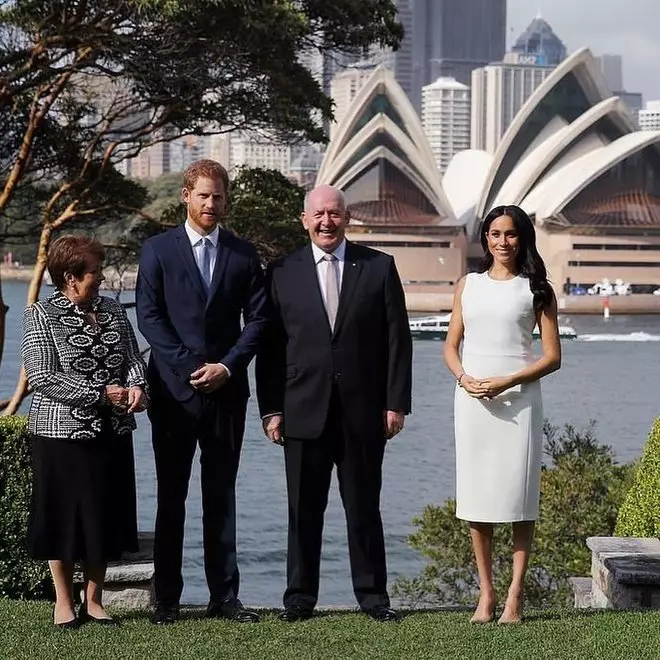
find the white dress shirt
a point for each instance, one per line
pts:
(322, 265)
(195, 239)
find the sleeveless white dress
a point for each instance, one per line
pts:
(499, 442)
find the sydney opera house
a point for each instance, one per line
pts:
(573, 158)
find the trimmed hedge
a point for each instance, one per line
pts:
(640, 512)
(20, 577)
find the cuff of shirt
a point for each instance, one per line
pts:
(269, 415)
(226, 368)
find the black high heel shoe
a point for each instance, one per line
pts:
(84, 617)
(66, 625)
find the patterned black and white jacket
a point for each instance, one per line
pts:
(68, 364)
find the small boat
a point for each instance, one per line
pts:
(435, 327)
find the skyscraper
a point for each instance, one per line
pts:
(446, 119)
(451, 38)
(612, 68)
(499, 91)
(539, 45)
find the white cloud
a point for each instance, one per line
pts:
(629, 29)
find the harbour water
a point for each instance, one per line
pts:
(610, 374)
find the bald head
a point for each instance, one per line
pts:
(325, 217)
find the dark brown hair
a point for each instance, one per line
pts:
(528, 260)
(209, 169)
(71, 254)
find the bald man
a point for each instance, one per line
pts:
(334, 385)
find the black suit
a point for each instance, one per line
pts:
(187, 326)
(333, 389)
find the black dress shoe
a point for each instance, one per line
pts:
(84, 617)
(165, 615)
(231, 609)
(382, 613)
(72, 624)
(293, 613)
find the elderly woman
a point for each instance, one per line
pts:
(83, 364)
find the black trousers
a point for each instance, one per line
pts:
(309, 464)
(175, 434)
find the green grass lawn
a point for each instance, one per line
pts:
(26, 631)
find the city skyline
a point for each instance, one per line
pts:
(628, 29)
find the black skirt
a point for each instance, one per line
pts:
(83, 499)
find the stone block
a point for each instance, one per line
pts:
(623, 545)
(581, 587)
(625, 572)
(128, 581)
(599, 600)
(129, 597)
(634, 569)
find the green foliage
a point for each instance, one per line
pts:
(640, 512)
(113, 77)
(20, 577)
(264, 208)
(581, 490)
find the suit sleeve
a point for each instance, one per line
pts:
(42, 366)
(154, 322)
(255, 320)
(270, 367)
(399, 359)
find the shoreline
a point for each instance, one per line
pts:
(417, 302)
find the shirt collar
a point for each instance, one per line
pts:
(339, 253)
(195, 237)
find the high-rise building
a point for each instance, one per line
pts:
(403, 58)
(539, 45)
(446, 119)
(400, 62)
(612, 68)
(633, 100)
(345, 86)
(451, 38)
(256, 150)
(187, 149)
(498, 92)
(649, 118)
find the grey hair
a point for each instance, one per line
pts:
(340, 195)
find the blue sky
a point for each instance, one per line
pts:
(630, 28)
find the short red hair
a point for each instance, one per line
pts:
(207, 168)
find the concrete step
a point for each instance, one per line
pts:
(128, 581)
(581, 587)
(625, 572)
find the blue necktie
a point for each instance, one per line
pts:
(205, 262)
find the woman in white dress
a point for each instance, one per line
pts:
(498, 410)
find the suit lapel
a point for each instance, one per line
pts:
(185, 252)
(223, 254)
(349, 281)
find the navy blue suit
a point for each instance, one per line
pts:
(186, 327)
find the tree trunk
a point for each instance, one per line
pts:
(21, 390)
